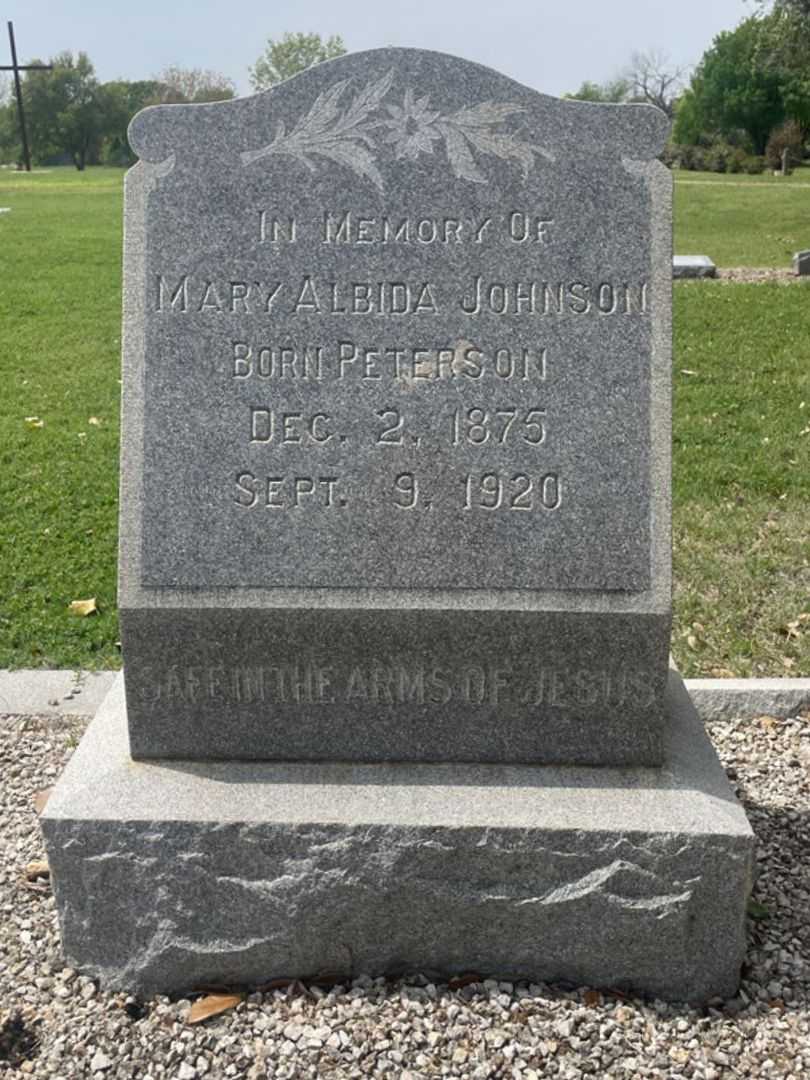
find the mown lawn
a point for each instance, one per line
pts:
(741, 479)
(741, 446)
(740, 220)
(60, 298)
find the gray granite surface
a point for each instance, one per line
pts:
(175, 875)
(396, 394)
(801, 263)
(401, 685)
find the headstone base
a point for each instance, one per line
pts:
(178, 875)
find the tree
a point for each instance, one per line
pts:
(293, 53)
(654, 80)
(650, 78)
(9, 129)
(785, 48)
(616, 90)
(121, 100)
(792, 7)
(65, 109)
(733, 91)
(177, 85)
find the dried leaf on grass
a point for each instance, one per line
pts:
(212, 1005)
(83, 607)
(41, 799)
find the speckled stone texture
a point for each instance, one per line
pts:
(396, 422)
(175, 875)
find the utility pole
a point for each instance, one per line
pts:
(15, 67)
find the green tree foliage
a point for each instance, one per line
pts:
(65, 109)
(293, 53)
(791, 7)
(785, 48)
(70, 114)
(733, 91)
(122, 100)
(9, 135)
(614, 91)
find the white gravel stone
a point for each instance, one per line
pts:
(100, 1062)
(55, 1024)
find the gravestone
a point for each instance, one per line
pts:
(395, 554)
(801, 263)
(396, 445)
(693, 266)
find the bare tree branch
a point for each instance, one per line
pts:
(656, 80)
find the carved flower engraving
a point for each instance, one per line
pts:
(353, 135)
(411, 127)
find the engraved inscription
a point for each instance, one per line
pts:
(358, 229)
(398, 390)
(479, 426)
(310, 295)
(346, 360)
(518, 491)
(275, 231)
(533, 297)
(399, 683)
(288, 492)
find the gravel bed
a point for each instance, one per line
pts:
(56, 1023)
(767, 274)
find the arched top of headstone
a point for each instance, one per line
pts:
(364, 112)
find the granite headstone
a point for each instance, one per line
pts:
(395, 495)
(397, 422)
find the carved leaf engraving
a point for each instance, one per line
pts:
(354, 136)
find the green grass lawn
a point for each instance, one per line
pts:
(741, 446)
(741, 479)
(60, 328)
(740, 220)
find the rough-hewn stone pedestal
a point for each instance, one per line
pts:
(173, 875)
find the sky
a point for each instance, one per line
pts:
(549, 45)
